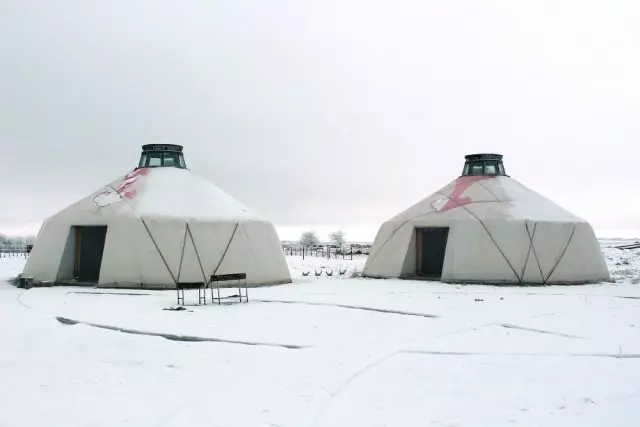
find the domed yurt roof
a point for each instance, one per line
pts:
(487, 227)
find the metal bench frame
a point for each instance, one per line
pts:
(222, 281)
(202, 291)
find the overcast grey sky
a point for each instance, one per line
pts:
(324, 114)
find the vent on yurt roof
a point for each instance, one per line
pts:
(162, 156)
(486, 164)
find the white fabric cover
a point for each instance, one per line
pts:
(499, 232)
(147, 243)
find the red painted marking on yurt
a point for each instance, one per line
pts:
(461, 185)
(124, 189)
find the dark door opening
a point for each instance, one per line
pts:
(88, 252)
(431, 245)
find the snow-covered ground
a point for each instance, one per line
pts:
(624, 265)
(326, 351)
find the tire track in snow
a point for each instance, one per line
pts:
(508, 326)
(19, 299)
(108, 293)
(174, 337)
(318, 419)
(471, 353)
(539, 331)
(354, 307)
(355, 375)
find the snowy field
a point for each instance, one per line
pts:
(326, 351)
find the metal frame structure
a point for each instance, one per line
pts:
(200, 286)
(221, 281)
(485, 161)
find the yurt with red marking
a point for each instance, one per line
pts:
(155, 227)
(486, 227)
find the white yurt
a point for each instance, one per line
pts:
(157, 226)
(486, 227)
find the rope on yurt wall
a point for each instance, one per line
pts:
(175, 282)
(197, 254)
(489, 234)
(224, 254)
(495, 243)
(489, 191)
(150, 236)
(573, 231)
(532, 248)
(373, 255)
(184, 244)
(526, 260)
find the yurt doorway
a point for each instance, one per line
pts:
(431, 245)
(89, 246)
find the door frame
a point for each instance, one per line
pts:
(419, 247)
(77, 255)
(77, 251)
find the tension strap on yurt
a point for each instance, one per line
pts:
(489, 234)
(573, 230)
(184, 244)
(175, 282)
(193, 242)
(224, 254)
(533, 248)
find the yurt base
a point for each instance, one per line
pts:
(143, 286)
(436, 279)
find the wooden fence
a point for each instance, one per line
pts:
(15, 251)
(326, 251)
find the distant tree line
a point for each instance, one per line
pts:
(309, 238)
